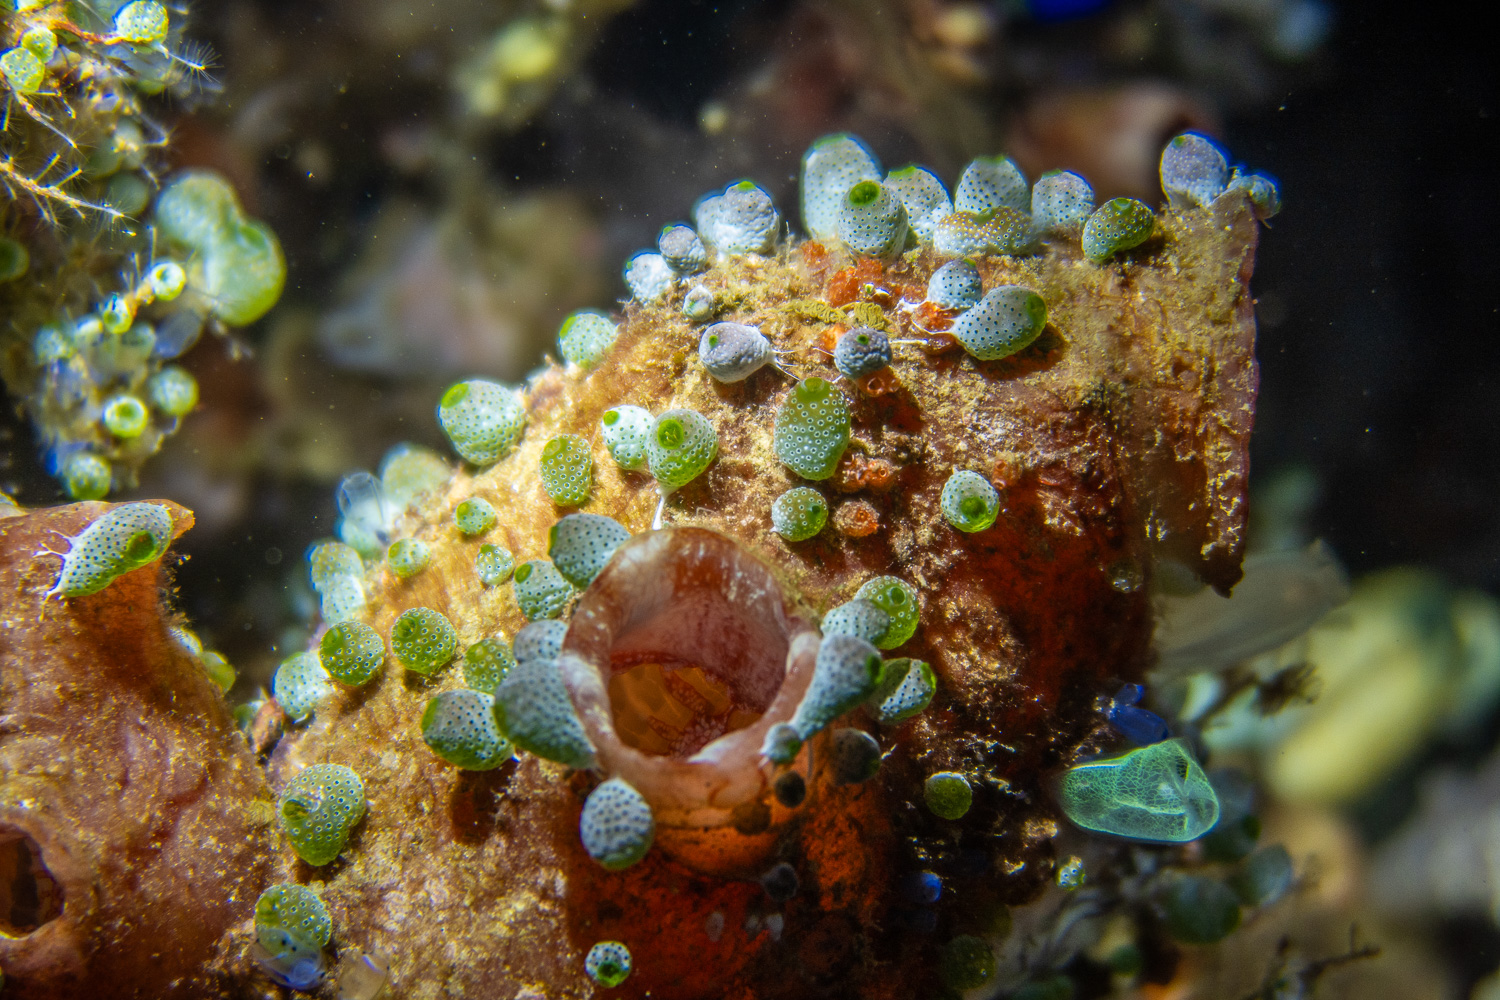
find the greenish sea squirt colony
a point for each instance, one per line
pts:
(524, 564)
(83, 161)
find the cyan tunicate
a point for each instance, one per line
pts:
(299, 684)
(969, 502)
(897, 599)
(681, 248)
(799, 513)
(493, 564)
(905, 689)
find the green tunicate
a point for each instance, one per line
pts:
(833, 165)
(967, 962)
(493, 564)
(86, 476)
(1008, 319)
(351, 652)
(173, 391)
(141, 22)
(969, 502)
(580, 545)
(608, 963)
(299, 685)
(680, 446)
(486, 663)
(460, 727)
(1061, 202)
(318, 808)
(861, 618)
(1116, 225)
(843, 676)
(586, 337)
(327, 560)
(872, 221)
(534, 710)
(923, 195)
(219, 670)
(123, 539)
(567, 470)
(948, 794)
(483, 420)
(15, 259)
(1157, 792)
(812, 429)
(125, 417)
(1199, 909)
(799, 513)
(616, 826)
(236, 263)
(116, 313)
(905, 689)
(896, 598)
(166, 279)
(541, 591)
(627, 431)
(1071, 874)
(409, 472)
(423, 640)
(990, 183)
(40, 41)
(475, 516)
(295, 910)
(22, 70)
(408, 556)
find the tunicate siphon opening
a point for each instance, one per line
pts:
(29, 896)
(679, 657)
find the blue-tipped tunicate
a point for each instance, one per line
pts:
(1061, 202)
(732, 352)
(741, 219)
(1193, 171)
(923, 195)
(956, 285)
(534, 710)
(681, 248)
(648, 276)
(992, 182)
(830, 167)
(843, 676)
(1005, 321)
(872, 221)
(617, 826)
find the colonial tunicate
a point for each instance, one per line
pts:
(318, 808)
(608, 963)
(292, 926)
(1008, 319)
(626, 431)
(1119, 224)
(799, 513)
(586, 337)
(483, 420)
(1158, 792)
(861, 351)
(567, 470)
(969, 502)
(680, 447)
(580, 544)
(1061, 202)
(493, 564)
(475, 516)
(122, 539)
(423, 640)
(459, 726)
(812, 429)
(541, 640)
(732, 352)
(990, 183)
(125, 416)
(898, 600)
(833, 165)
(408, 556)
(956, 285)
(534, 710)
(845, 674)
(541, 591)
(648, 276)
(1193, 171)
(486, 663)
(173, 391)
(351, 652)
(948, 794)
(853, 756)
(616, 826)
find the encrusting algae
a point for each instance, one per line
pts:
(716, 746)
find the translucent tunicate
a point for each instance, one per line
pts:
(475, 516)
(859, 618)
(125, 416)
(408, 556)
(1193, 171)
(173, 391)
(1157, 793)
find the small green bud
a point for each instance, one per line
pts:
(423, 640)
(898, 600)
(407, 557)
(969, 502)
(1120, 224)
(173, 391)
(166, 280)
(475, 516)
(351, 652)
(948, 794)
(86, 476)
(799, 513)
(125, 417)
(116, 314)
(493, 564)
(567, 470)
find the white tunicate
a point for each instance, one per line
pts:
(1061, 202)
(1193, 171)
(739, 220)
(924, 196)
(648, 276)
(626, 431)
(992, 182)
(833, 165)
